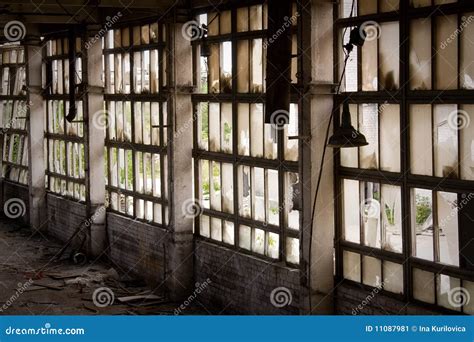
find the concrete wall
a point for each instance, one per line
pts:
(349, 299)
(137, 248)
(242, 284)
(64, 216)
(16, 191)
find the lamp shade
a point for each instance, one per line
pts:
(346, 135)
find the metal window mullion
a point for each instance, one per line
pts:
(132, 109)
(235, 128)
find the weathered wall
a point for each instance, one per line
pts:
(137, 248)
(20, 192)
(349, 299)
(64, 216)
(242, 284)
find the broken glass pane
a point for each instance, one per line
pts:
(216, 186)
(391, 207)
(272, 199)
(273, 242)
(214, 127)
(389, 56)
(226, 127)
(244, 135)
(243, 66)
(292, 200)
(244, 191)
(205, 184)
(448, 230)
(370, 213)
(445, 141)
(291, 130)
(257, 66)
(293, 250)
(258, 194)
(420, 54)
(226, 67)
(258, 241)
(422, 223)
(227, 188)
(256, 128)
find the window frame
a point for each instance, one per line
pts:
(279, 164)
(49, 97)
(162, 99)
(404, 97)
(9, 131)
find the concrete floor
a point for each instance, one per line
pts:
(32, 284)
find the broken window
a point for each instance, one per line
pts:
(136, 123)
(64, 140)
(14, 111)
(405, 196)
(247, 178)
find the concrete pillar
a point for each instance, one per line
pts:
(322, 86)
(180, 254)
(36, 112)
(95, 141)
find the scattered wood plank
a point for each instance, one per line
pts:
(49, 286)
(137, 298)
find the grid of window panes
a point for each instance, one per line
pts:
(246, 171)
(137, 120)
(406, 209)
(64, 143)
(14, 112)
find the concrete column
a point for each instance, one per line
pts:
(322, 86)
(180, 254)
(95, 141)
(36, 112)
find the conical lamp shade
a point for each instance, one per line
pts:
(346, 135)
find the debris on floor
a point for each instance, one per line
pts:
(33, 281)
